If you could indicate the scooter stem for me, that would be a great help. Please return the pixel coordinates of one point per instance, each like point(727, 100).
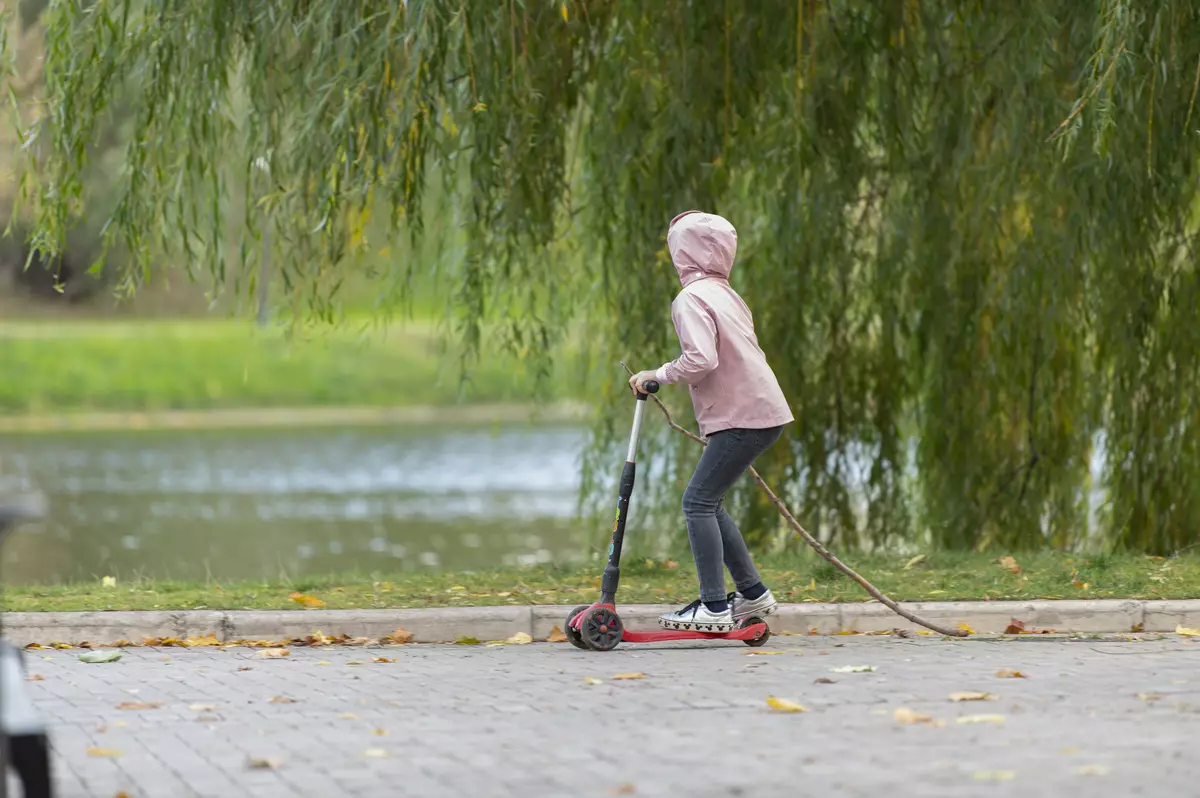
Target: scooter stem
point(612, 570)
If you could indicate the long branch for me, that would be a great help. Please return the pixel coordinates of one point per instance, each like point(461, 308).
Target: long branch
point(816, 545)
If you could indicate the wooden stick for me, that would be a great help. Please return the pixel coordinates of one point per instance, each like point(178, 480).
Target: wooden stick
point(812, 541)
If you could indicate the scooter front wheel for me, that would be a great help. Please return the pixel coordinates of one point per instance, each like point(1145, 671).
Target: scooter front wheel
point(601, 629)
point(573, 636)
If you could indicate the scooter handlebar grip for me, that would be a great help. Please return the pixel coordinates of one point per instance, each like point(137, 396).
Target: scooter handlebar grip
point(651, 386)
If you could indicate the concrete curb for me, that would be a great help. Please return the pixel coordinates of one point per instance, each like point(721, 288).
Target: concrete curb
point(447, 624)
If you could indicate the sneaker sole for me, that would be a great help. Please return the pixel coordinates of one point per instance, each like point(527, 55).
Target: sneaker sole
point(684, 626)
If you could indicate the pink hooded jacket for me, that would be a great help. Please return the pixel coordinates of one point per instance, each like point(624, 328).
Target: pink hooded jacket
point(731, 383)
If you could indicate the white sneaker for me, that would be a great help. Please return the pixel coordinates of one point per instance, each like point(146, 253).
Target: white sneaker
point(744, 608)
point(695, 617)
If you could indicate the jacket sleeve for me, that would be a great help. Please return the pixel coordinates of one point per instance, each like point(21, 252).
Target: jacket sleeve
point(697, 331)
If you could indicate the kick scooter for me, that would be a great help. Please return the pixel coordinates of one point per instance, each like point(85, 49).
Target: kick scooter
point(597, 627)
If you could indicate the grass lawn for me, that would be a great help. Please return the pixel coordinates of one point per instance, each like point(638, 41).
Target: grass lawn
point(794, 578)
point(62, 367)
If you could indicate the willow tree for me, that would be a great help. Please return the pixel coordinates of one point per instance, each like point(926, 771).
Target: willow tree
point(966, 227)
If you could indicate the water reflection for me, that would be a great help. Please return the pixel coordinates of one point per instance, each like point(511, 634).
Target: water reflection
point(243, 503)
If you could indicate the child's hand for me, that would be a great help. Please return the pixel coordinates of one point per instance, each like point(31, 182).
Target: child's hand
point(638, 381)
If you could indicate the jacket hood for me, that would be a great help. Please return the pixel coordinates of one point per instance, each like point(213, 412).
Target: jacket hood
point(701, 245)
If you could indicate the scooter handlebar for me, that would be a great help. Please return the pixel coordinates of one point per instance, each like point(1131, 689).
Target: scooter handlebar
point(651, 386)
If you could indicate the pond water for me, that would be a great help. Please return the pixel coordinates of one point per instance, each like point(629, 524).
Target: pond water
point(268, 503)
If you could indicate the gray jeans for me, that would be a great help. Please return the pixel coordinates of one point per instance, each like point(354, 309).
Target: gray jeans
point(715, 538)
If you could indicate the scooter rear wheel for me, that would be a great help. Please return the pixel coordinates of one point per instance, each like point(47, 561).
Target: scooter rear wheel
point(755, 642)
point(573, 636)
point(601, 629)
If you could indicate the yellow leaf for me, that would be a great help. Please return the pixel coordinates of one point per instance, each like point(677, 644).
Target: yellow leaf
point(1148, 697)
point(1186, 632)
point(1004, 673)
point(980, 719)
point(382, 659)
point(910, 718)
point(993, 775)
point(348, 716)
point(375, 753)
point(457, 587)
point(139, 705)
point(914, 562)
point(108, 581)
point(1009, 564)
point(592, 680)
point(966, 628)
point(519, 639)
point(562, 9)
point(282, 699)
point(783, 705)
point(467, 641)
point(936, 592)
point(764, 653)
point(629, 676)
point(264, 763)
point(105, 752)
point(972, 696)
point(556, 636)
point(201, 707)
point(207, 640)
point(1092, 770)
point(401, 635)
point(307, 601)
point(275, 653)
point(324, 662)
point(380, 732)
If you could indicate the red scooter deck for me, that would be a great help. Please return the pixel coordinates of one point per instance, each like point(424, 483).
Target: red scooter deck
point(751, 632)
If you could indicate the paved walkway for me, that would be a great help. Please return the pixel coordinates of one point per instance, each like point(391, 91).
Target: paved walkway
point(525, 721)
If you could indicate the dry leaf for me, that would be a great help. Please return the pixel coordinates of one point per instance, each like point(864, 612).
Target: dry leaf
point(1015, 627)
point(764, 653)
point(202, 707)
point(1009, 564)
point(275, 653)
point(592, 680)
point(348, 716)
point(281, 699)
point(628, 676)
point(783, 705)
point(375, 753)
point(1186, 632)
point(380, 732)
point(382, 659)
point(519, 639)
point(245, 668)
point(1092, 770)
point(1004, 673)
point(206, 640)
point(966, 628)
point(993, 775)
point(620, 789)
point(467, 641)
point(401, 635)
point(355, 662)
point(980, 719)
point(972, 696)
point(261, 763)
point(914, 562)
point(139, 705)
point(324, 662)
point(307, 601)
point(1148, 697)
point(105, 752)
point(35, 677)
point(853, 669)
point(823, 680)
point(910, 718)
point(556, 636)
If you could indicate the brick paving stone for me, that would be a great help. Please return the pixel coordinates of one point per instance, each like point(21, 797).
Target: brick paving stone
point(522, 720)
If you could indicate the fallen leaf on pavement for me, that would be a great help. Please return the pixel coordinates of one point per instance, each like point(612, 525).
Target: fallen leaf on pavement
point(307, 601)
point(355, 662)
point(380, 732)
point(348, 716)
point(966, 628)
point(382, 659)
point(623, 789)
point(264, 763)
point(112, 655)
point(980, 719)
point(783, 705)
point(519, 639)
point(993, 775)
point(467, 641)
point(914, 562)
point(281, 699)
point(275, 653)
point(139, 705)
point(824, 680)
point(910, 718)
point(853, 669)
point(375, 753)
point(972, 696)
point(1009, 564)
point(1149, 696)
point(1186, 632)
point(35, 677)
point(628, 676)
point(1015, 627)
point(1092, 770)
point(764, 653)
point(245, 668)
point(556, 636)
point(592, 680)
point(194, 642)
point(324, 662)
point(1005, 673)
point(401, 635)
point(105, 752)
point(202, 707)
